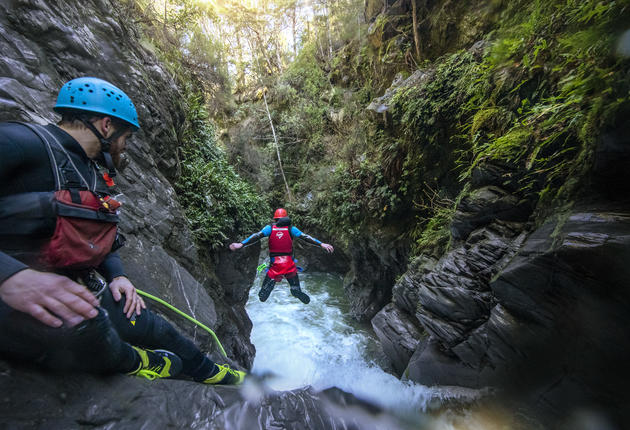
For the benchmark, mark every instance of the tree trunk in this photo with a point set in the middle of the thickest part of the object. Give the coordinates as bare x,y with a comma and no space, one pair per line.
278,57
416,36
262,50
293,29
328,33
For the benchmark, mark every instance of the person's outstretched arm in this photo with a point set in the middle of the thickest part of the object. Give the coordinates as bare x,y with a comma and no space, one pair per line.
295,232
266,231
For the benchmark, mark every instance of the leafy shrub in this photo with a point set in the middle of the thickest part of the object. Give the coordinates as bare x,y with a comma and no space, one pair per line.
217,202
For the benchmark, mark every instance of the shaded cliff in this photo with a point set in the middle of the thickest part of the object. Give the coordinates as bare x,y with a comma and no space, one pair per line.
522,284
539,312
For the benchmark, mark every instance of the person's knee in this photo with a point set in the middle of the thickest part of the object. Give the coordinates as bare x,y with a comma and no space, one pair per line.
93,345
294,281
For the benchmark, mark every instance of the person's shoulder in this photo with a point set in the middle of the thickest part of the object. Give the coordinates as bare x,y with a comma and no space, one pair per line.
14,133
12,129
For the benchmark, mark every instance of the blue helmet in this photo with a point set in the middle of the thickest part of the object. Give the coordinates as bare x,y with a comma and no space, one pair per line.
98,96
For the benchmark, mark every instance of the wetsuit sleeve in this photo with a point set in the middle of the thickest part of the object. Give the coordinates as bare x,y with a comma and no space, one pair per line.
112,267
295,232
10,162
9,266
266,231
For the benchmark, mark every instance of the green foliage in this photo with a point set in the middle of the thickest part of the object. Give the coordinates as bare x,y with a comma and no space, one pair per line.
555,75
433,233
534,100
179,35
305,75
420,111
217,202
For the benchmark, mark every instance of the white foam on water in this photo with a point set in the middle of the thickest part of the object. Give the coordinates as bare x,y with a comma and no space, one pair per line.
319,345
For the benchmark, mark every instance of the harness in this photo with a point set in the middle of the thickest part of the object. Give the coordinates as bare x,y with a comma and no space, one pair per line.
80,214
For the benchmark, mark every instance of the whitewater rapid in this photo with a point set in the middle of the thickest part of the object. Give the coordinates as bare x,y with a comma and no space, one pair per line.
320,345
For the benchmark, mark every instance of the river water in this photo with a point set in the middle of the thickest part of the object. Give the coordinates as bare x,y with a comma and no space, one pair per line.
320,345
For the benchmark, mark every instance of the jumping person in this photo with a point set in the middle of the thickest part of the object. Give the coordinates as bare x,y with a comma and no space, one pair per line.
58,226
281,235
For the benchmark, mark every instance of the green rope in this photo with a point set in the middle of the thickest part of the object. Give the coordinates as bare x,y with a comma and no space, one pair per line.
262,267
185,315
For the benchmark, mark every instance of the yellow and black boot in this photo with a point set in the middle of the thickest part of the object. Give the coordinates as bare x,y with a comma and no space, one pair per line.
157,364
225,376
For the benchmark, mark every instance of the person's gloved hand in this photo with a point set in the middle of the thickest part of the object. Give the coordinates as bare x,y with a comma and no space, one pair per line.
52,299
122,285
329,248
235,246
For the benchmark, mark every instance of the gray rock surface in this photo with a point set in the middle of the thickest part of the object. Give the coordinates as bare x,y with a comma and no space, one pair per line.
375,263
455,298
541,314
399,334
486,204
92,402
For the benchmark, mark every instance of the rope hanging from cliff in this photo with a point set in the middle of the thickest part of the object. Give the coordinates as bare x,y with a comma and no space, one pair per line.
185,315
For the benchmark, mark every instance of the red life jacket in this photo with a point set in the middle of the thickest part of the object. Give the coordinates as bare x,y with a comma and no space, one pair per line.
280,242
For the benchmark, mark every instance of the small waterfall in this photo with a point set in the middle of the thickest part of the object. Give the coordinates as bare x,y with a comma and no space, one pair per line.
320,345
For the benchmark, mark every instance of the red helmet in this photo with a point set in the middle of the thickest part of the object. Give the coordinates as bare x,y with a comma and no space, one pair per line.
279,213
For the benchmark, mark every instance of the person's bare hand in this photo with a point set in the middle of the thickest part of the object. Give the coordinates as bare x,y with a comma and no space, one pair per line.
121,285
52,299
329,248
235,246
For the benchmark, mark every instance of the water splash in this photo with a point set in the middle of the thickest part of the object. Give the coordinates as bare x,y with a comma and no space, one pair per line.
319,345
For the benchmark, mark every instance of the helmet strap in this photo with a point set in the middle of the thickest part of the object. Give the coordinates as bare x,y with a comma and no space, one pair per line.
106,143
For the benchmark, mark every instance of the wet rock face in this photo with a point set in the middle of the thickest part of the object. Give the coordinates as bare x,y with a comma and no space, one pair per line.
540,313
375,263
121,402
399,334
43,45
455,298
485,205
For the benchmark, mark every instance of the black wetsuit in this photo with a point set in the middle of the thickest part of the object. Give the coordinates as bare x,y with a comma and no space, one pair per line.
101,344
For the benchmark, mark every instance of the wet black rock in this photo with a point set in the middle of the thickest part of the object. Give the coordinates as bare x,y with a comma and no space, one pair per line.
32,399
547,324
455,298
398,333
485,205
541,314
405,292
375,263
